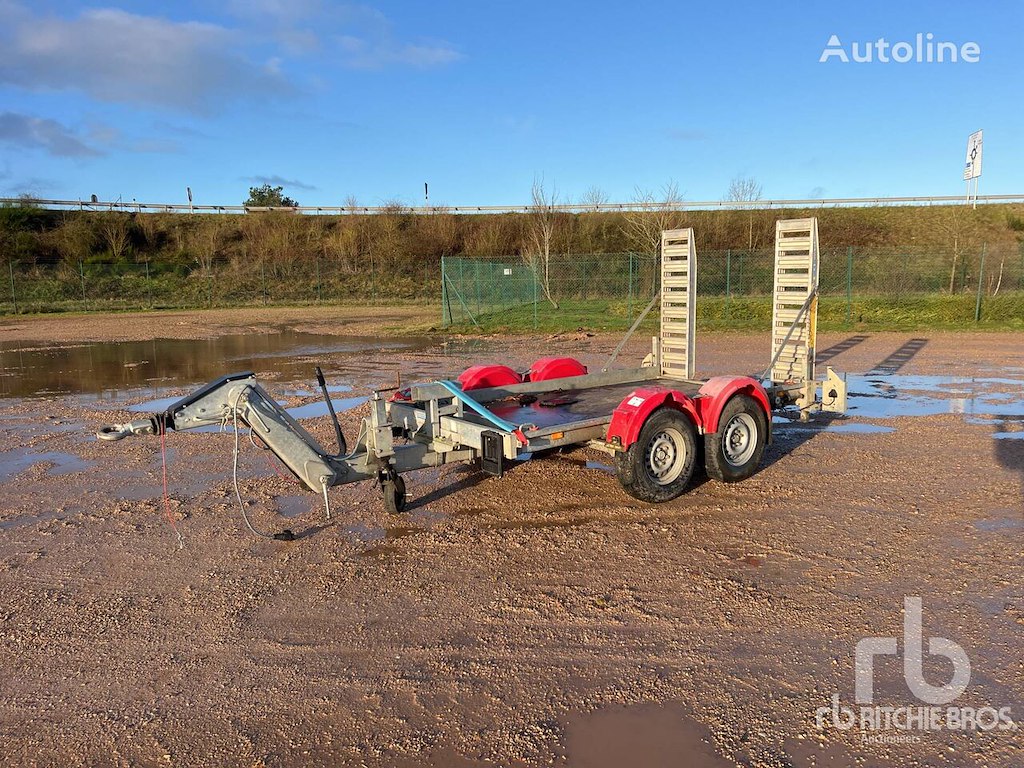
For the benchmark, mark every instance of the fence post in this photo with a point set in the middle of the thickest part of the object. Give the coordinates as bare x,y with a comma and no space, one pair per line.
849,284
81,272
14,297
534,299
629,300
728,273
476,279
446,308
728,282
319,292
263,278
149,286
1020,275
981,275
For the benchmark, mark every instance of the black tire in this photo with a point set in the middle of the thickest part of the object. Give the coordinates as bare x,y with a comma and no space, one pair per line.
734,452
394,495
659,465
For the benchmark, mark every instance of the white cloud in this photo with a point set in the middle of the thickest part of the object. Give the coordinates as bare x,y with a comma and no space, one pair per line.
117,56
365,53
363,35
30,132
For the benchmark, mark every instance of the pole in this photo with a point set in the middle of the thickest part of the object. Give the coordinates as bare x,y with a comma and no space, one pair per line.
149,285
728,273
14,297
629,300
728,281
476,277
1020,277
81,272
263,278
534,299
849,284
445,306
981,274
319,294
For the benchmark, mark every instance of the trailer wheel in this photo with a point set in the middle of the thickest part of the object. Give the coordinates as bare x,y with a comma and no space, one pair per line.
734,452
659,465
394,495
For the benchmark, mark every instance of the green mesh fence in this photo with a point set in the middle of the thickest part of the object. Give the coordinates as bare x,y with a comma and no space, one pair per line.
741,280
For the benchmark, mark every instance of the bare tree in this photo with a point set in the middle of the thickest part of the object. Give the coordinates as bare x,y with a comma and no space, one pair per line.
651,215
116,229
594,198
206,240
745,189
952,226
541,234
75,237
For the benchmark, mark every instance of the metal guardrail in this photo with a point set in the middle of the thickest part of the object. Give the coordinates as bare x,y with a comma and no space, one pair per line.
685,205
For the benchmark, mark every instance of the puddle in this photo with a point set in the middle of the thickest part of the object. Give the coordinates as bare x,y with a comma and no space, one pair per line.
106,369
649,735
308,411
319,408
1000,524
370,534
995,401
783,426
42,517
885,397
601,466
332,388
20,459
294,506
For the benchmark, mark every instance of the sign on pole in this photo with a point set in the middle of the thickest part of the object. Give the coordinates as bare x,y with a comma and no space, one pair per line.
972,166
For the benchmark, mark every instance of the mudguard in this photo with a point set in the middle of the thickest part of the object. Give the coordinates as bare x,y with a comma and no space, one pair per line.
716,391
629,417
548,368
486,376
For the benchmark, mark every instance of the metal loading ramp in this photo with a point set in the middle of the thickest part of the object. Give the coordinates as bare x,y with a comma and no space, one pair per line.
794,301
678,303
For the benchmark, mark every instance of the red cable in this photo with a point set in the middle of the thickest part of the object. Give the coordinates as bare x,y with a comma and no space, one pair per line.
167,498
273,464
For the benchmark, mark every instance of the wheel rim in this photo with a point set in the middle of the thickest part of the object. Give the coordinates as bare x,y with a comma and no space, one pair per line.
665,458
740,439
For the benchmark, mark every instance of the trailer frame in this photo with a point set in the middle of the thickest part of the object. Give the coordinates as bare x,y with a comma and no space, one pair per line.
495,415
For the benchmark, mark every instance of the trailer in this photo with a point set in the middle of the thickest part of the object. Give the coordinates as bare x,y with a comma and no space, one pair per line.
657,419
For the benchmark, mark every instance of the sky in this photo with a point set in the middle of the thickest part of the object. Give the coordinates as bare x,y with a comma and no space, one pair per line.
367,102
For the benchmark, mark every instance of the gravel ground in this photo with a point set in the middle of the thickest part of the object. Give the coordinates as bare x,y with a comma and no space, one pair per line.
543,618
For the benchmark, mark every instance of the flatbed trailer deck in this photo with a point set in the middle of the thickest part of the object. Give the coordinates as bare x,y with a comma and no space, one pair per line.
659,420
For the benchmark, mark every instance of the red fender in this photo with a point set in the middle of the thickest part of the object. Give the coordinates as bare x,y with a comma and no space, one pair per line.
716,391
548,368
629,417
485,376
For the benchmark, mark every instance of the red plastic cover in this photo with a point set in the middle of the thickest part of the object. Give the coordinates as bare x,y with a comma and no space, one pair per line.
484,376
548,368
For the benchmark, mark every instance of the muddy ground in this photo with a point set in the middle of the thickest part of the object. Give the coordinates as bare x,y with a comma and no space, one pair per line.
541,618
